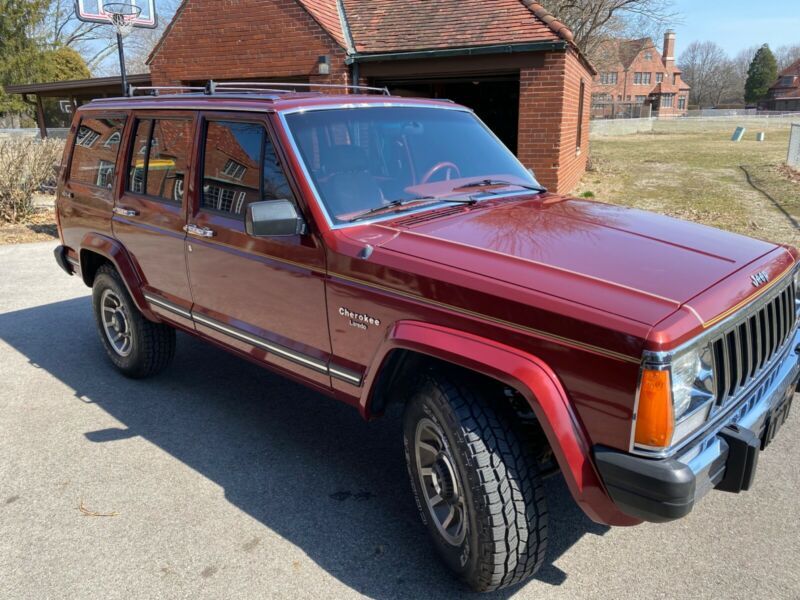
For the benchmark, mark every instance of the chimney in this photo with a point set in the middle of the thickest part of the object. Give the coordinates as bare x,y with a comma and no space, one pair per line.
668,55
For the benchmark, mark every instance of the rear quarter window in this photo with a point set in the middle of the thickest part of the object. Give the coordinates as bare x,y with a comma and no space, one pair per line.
94,154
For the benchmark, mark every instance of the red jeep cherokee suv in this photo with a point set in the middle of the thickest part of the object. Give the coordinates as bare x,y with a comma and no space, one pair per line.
391,250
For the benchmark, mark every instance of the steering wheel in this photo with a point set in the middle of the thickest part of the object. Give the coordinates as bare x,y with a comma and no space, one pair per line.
451,168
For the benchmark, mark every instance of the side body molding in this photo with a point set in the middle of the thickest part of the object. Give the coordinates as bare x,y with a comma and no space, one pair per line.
535,381
119,256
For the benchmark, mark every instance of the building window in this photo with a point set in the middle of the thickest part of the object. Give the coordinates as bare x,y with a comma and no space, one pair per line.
581,94
787,81
608,78
659,77
86,137
682,103
234,169
113,140
648,56
602,98
667,100
640,99
641,78
105,174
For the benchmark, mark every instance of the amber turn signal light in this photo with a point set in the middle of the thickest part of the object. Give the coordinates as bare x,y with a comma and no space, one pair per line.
655,422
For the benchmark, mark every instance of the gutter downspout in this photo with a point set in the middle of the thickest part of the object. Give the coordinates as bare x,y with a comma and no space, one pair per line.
350,48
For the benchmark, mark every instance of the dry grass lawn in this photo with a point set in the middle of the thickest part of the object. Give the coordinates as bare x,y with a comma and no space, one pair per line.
700,176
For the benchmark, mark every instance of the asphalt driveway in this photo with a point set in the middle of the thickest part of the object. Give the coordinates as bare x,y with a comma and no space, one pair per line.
219,479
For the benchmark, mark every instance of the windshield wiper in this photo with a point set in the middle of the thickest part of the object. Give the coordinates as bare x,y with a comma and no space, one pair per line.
398,204
488,182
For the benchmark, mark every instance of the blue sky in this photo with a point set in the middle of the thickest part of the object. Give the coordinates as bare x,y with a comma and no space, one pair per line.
737,24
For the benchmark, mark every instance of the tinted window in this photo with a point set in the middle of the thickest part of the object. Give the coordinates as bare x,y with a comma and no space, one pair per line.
240,167
95,151
160,158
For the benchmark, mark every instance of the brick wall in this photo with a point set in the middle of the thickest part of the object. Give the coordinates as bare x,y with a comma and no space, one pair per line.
256,39
548,120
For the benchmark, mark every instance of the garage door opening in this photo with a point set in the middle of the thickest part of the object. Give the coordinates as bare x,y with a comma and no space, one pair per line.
494,99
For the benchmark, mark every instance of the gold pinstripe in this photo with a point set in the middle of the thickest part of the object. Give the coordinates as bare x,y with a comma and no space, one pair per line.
747,300
536,332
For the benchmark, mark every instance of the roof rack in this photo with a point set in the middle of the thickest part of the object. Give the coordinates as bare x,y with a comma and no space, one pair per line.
249,87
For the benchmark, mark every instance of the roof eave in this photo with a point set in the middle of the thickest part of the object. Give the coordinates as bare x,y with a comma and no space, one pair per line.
461,51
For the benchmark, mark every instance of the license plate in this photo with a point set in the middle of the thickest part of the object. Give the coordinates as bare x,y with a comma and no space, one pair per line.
777,418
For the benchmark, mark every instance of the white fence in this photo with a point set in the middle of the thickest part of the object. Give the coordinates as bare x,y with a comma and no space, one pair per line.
32,132
753,122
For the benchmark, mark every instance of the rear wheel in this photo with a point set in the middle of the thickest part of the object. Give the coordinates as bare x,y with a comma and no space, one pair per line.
137,347
476,486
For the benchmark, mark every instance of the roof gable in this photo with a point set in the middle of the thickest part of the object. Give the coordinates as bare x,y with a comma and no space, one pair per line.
326,13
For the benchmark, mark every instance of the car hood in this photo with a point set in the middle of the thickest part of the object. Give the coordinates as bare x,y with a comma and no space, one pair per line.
632,263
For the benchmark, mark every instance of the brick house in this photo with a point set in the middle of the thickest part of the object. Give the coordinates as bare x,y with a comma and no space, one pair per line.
635,73
785,93
509,60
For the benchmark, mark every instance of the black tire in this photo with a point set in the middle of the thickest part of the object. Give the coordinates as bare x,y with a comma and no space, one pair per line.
505,537
151,345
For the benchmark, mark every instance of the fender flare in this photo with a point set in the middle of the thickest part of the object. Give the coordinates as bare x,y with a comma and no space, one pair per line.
116,253
535,380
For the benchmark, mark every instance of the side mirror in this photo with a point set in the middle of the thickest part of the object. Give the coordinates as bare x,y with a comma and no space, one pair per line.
273,218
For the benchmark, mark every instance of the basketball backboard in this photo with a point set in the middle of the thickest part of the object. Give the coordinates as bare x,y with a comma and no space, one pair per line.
92,12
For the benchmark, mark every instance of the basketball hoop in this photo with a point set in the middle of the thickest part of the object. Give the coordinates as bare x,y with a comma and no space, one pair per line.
123,16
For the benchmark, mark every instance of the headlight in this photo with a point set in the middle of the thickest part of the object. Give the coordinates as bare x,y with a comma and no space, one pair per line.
675,399
692,390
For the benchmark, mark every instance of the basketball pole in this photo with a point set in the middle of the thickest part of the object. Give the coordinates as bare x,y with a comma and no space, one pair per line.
122,65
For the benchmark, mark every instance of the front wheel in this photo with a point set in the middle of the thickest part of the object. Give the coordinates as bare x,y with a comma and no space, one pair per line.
137,347
476,487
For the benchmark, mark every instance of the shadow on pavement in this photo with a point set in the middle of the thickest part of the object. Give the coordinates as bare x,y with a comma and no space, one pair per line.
305,466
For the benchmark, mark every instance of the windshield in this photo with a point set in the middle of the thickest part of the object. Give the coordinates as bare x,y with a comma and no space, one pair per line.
363,159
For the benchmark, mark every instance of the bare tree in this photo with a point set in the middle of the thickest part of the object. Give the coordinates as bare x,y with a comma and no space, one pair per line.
712,75
594,21
61,27
787,55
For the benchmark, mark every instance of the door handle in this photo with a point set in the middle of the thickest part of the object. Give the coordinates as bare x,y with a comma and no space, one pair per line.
199,231
126,212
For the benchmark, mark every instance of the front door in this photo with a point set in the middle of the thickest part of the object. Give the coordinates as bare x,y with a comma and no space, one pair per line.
150,215
262,296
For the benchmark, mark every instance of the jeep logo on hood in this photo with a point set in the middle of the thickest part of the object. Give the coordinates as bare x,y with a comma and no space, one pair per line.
759,278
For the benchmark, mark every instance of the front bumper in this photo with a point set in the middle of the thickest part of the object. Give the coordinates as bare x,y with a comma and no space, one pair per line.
725,458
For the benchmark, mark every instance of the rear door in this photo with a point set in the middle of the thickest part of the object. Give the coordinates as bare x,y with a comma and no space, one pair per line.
87,195
262,296
150,214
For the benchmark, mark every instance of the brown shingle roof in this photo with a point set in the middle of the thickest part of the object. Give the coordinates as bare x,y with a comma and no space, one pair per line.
390,26
377,26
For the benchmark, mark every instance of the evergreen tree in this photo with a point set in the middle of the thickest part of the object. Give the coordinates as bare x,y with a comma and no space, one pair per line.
24,58
763,72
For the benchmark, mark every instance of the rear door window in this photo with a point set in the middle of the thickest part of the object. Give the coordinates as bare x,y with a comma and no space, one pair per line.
94,155
159,159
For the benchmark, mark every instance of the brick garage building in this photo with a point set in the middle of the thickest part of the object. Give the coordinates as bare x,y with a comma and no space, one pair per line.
633,75
509,60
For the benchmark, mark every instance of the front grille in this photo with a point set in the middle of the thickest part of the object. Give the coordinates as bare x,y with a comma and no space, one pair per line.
744,348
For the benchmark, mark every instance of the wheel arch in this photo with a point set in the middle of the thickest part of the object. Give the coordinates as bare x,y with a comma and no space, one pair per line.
530,376
96,250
